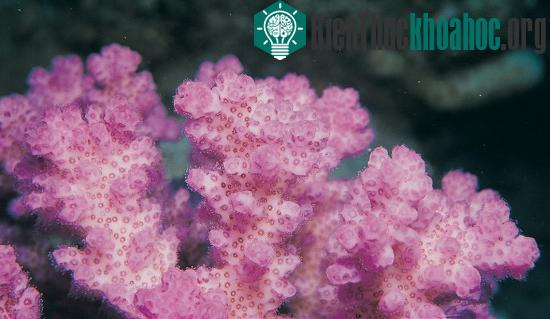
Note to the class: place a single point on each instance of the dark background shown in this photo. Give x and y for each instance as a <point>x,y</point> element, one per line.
<point>502,138</point>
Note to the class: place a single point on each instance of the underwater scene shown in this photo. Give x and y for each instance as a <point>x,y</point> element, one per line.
<point>169,159</point>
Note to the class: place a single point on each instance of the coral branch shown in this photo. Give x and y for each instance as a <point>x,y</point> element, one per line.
<point>112,80</point>
<point>263,142</point>
<point>104,186</point>
<point>391,246</point>
<point>18,300</point>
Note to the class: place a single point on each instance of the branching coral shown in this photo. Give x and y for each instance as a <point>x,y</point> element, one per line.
<point>390,246</point>
<point>129,98</point>
<point>102,187</point>
<point>384,245</point>
<point>263,143</point>
<point>89,161</point>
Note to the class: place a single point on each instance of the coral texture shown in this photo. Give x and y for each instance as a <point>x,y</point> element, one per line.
<point>111,81</point>
<point>388,245</point>
<point>383,245</point>
<point>103,187</point>
<point>87,158</point>
<point>18,300</point>
<point>262,143</point>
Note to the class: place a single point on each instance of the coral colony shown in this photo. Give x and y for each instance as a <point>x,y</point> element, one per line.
<point>82,145</point>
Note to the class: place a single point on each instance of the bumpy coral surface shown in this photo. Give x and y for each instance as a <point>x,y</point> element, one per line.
<point>394,247</point>
<point>18,300</point>
<point>100,186</point>
<point>383,245</point>
<point>262,141</point>
<point>112,81</point>
<point>87,158</point>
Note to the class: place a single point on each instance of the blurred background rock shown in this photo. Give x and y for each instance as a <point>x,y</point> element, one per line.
<point>483,112</point>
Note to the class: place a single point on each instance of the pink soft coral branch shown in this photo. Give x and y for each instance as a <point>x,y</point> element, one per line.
<point>395,247</point>
<point>267,141</point>
<point>18,300</point>
<point>86,157</point>
<point>112,79</point>
<point>103,187</point>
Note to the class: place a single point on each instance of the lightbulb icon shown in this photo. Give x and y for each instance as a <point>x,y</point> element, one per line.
<point>279,28</point>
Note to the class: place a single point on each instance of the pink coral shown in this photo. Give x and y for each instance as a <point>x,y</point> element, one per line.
<point>383,245</point>
<point>115,73</point>
<point>129,98</point>
<point>18,300</point>
<point>82,147</point>
<point>180,296</point>
<point>268,139</point>
<point>102,185</point>
<point>398,248</point>
<point>15,114</point>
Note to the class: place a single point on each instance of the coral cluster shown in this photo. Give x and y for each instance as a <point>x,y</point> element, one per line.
<point>104,188</point>
<point>129,99</point>
<point>88,160</point>
<point>383,245</point>
<point>264,144</point>
<point>389,245</point>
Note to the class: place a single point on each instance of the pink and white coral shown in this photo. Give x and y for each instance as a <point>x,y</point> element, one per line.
<point>82,147</point>
<point>383,245</point>
<point>112,81</point>
<point>18,300</point>
<point>394,247</point>
<point>265,140</point>
<point>104,187</point>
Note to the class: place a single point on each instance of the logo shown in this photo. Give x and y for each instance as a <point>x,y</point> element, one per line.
<point>279,30</point>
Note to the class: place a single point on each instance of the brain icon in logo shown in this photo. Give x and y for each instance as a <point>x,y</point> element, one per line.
<point>280,25</point>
